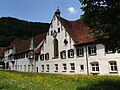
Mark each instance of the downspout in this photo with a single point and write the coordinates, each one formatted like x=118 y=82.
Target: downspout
x=87 y=60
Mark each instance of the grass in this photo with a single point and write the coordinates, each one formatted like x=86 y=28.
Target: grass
x=13 y=80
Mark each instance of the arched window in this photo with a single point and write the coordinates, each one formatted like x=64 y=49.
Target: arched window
x=56 y=52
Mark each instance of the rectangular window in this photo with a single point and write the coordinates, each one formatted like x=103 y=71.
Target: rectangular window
x=42 y=68
x=92 y=50
x=42 y=57
x=56 y=67
x=72 y=66
x=113 y=66
x=47 y=56
x=63 y=54
x=80 y=52
x=109 y=50
x=47 y=68
x=71 y=53
x=81 y=67
x=64 y=67
x=95 y=66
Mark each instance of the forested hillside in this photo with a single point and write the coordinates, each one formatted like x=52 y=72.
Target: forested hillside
x=11 y=28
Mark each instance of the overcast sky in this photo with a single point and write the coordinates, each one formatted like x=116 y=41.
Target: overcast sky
x=40 y=10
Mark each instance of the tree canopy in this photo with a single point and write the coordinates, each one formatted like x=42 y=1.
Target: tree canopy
x=103 y=16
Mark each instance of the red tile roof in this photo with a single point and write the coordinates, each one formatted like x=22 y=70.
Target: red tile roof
x=2 y=51
x=77 y=30
x=23 y=45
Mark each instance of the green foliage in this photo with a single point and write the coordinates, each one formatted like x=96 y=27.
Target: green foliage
x=11 y=28
x=103 y=16
x=13 y=80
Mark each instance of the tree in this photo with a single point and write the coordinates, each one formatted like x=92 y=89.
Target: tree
x=103 y=17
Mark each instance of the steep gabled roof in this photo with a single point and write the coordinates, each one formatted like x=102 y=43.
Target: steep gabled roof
x=77 y=30
x=2 y=51
x=23 y=45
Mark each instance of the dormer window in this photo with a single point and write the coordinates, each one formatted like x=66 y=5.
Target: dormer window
x=109 y=50
x=30 y=54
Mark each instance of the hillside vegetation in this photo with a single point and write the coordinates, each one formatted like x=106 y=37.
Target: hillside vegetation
x=11 y=28
x=13 y=80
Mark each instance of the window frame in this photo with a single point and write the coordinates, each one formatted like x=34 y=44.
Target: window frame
x=56 y=67
x=92 y=50
x=80 y=52
x=113 y=67
x=71 y=53
x=109 y=50
x=47 y=56
x=42 y=57
x=95 y=67
x=64 y=66
x=47 y=67
x=72 y=67
x=63 y=54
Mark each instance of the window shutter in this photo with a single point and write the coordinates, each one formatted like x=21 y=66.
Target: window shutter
x=68 y=53
x=77 y=50
x=89 y=50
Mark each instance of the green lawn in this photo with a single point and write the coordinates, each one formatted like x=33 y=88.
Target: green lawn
x=12 y=80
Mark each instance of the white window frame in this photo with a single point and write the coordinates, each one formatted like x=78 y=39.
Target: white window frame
x=63 y=54
x=93 y=50
x=72 y=66
x=113 y=66
x=80 y=52
x=64 y=67
x=71 y=53
x=47 y=68
x=95 y=67
x=56 y=67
